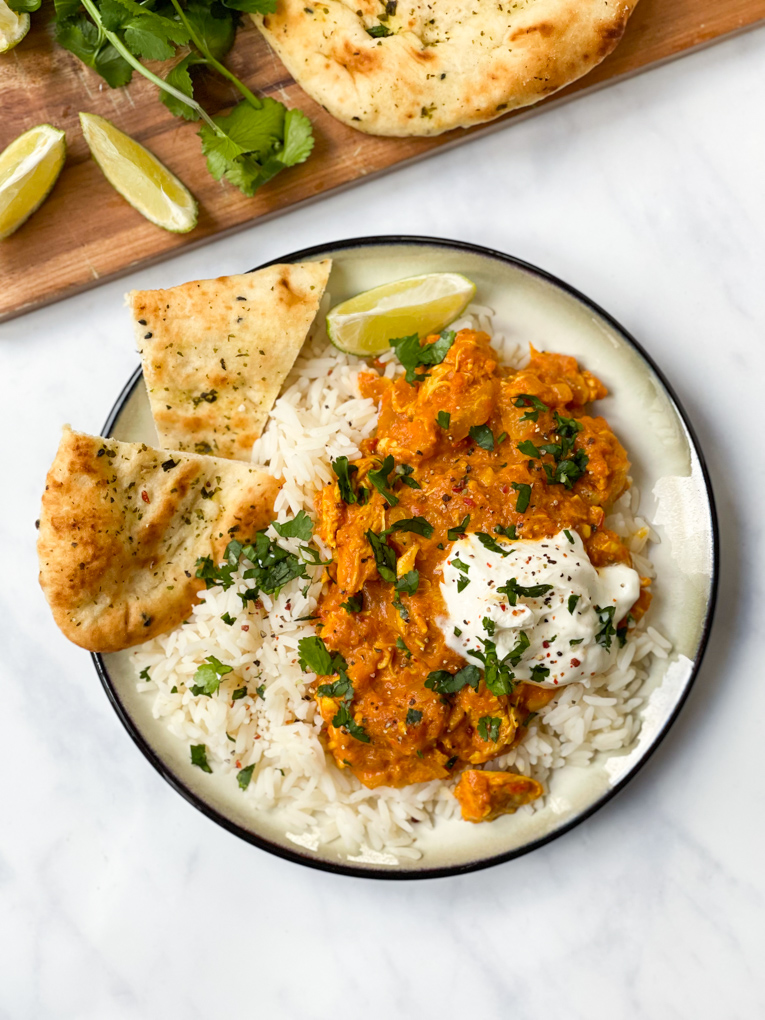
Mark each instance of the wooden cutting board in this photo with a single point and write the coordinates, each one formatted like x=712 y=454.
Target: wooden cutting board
x=85 y=233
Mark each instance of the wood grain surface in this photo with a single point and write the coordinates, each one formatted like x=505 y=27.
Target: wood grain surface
x=85 y=232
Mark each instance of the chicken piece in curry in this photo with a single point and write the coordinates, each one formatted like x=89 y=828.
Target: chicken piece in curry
x=451 y=455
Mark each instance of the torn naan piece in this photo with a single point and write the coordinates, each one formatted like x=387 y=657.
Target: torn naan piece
x=216 y=352
x=427 y=66
x=122 y=527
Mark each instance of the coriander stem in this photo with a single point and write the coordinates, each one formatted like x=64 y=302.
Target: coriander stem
x=220 y=68
x=138 y=66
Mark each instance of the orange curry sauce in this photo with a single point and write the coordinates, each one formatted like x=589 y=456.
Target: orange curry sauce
x=415 y=734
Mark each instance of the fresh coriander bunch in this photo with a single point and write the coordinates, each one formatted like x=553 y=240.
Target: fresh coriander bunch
x=248 y=146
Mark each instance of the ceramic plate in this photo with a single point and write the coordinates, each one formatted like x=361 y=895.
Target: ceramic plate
x=533 y=307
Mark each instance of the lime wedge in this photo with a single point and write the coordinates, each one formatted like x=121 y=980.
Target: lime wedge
x=13 y=27
x=367 y=323
x=28 y=170
x=139 y=176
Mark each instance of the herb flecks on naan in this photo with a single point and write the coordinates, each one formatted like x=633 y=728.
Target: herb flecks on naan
x=122 y=527
x=216 y=352
x=426 y=66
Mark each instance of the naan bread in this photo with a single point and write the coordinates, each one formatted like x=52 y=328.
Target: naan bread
x=216 y=352
x=122 y=526
x=447 y=63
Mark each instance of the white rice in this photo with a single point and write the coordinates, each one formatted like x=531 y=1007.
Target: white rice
x=320 y=416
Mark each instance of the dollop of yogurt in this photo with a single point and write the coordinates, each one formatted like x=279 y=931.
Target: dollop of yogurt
x=566 y=626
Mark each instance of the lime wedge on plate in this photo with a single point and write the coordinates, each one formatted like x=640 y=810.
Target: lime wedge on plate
x=139 y=176
x=28 y=170
x=367 y=323
x=13 y=27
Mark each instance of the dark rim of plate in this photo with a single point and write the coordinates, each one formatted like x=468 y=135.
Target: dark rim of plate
x=405 y=873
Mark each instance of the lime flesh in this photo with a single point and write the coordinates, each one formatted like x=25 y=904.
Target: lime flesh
x=13 y=27
x=28 y=170
x=139 y=176
x=365 y=324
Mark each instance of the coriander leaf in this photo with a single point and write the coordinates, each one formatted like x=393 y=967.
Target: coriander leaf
x=524 y=496
x=607 y=629
x=342 y=688
x=483 y=436
x=413 y=717
x=208 y=676
x=113 y=15
x=408 y=582
x=404 y=474
x=239 y=693
x=63 y=8
x=462 y=583
x=489 y=543
x=454 y=533
x=228 y=619
x=144 y=675
x=24 y=6
x=213 y=26
x=512 y=590
x=529 y=400
x=180 y=79
x=568 y=535
x=412 y=354
x=344 y=470
x=301 y=526
x=576 y=641
x=314 y=655
x=244 y=776
x=488 y=728
x=251 y=6
x=572 y=601
x=379 y=479
x=344 y=720
x=399 y=606
x=443 y=418
x=261 y=692
x=460 y=565
x=143 y=42
x=538 y=673
x=81 y=37
x=402 y=647
x=508 y=532
x=451 y=762
x=417 y=525
x=385 y=557
x=354 y=604
x=443 y=682
x=528 y=449
x=515 y=654
x=489 y=626
x=379 y=31
x=529 y=717
x=199 y=757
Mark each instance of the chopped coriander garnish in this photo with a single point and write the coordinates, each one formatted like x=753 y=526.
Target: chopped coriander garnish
x=261 y=692
x=462 y=583
x=524 y=496
x=385 y=557
x=244 y=776
x=342 y=688
x=529 y=400
x=381 y=481
x=483 y=436
x=354 y=604
x=344 y=720
x=508 y=532
x=173 y=689
x=379 y=31
x=457 y=632
x=228 y=619
x=413 y=355
x=607 y=629
x=529 y=717
x=314 y=655
x=489 y=626
x=568 y=535
x=417 y=525
x=572 y=601
x=454 y=533
x=451 y=762
x=489 y=543
x=488 y=728
x=515 y=654
x=538 y=673
x=208 y=676
x=443 y=682
x=443 y=418
x=199 y=757
x=301 y=526
x=398 y=605
x=404 y=474
x=240 y=692
x=528 y=449
x=144 y=675
x=576 y=641
x=501 y=438
x=402 y=647
x=344 y=470
x=408 y=582
x=512 y=590
x=413 y=717
x=460 y=565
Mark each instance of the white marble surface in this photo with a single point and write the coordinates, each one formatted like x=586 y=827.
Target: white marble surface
x=118 y=900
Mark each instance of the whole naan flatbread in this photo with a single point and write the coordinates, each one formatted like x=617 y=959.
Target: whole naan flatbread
x=216 y=352
x=122 y=526
x=446 y=63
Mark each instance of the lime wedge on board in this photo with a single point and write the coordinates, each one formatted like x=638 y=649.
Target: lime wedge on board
x=13 y=27
x=139 y=176
x=28 y=170
x=365 y=324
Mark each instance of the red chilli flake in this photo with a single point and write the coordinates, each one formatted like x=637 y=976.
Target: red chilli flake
x=468 y=501
x=145 y=496
x=245 y=626
x=575 y=662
